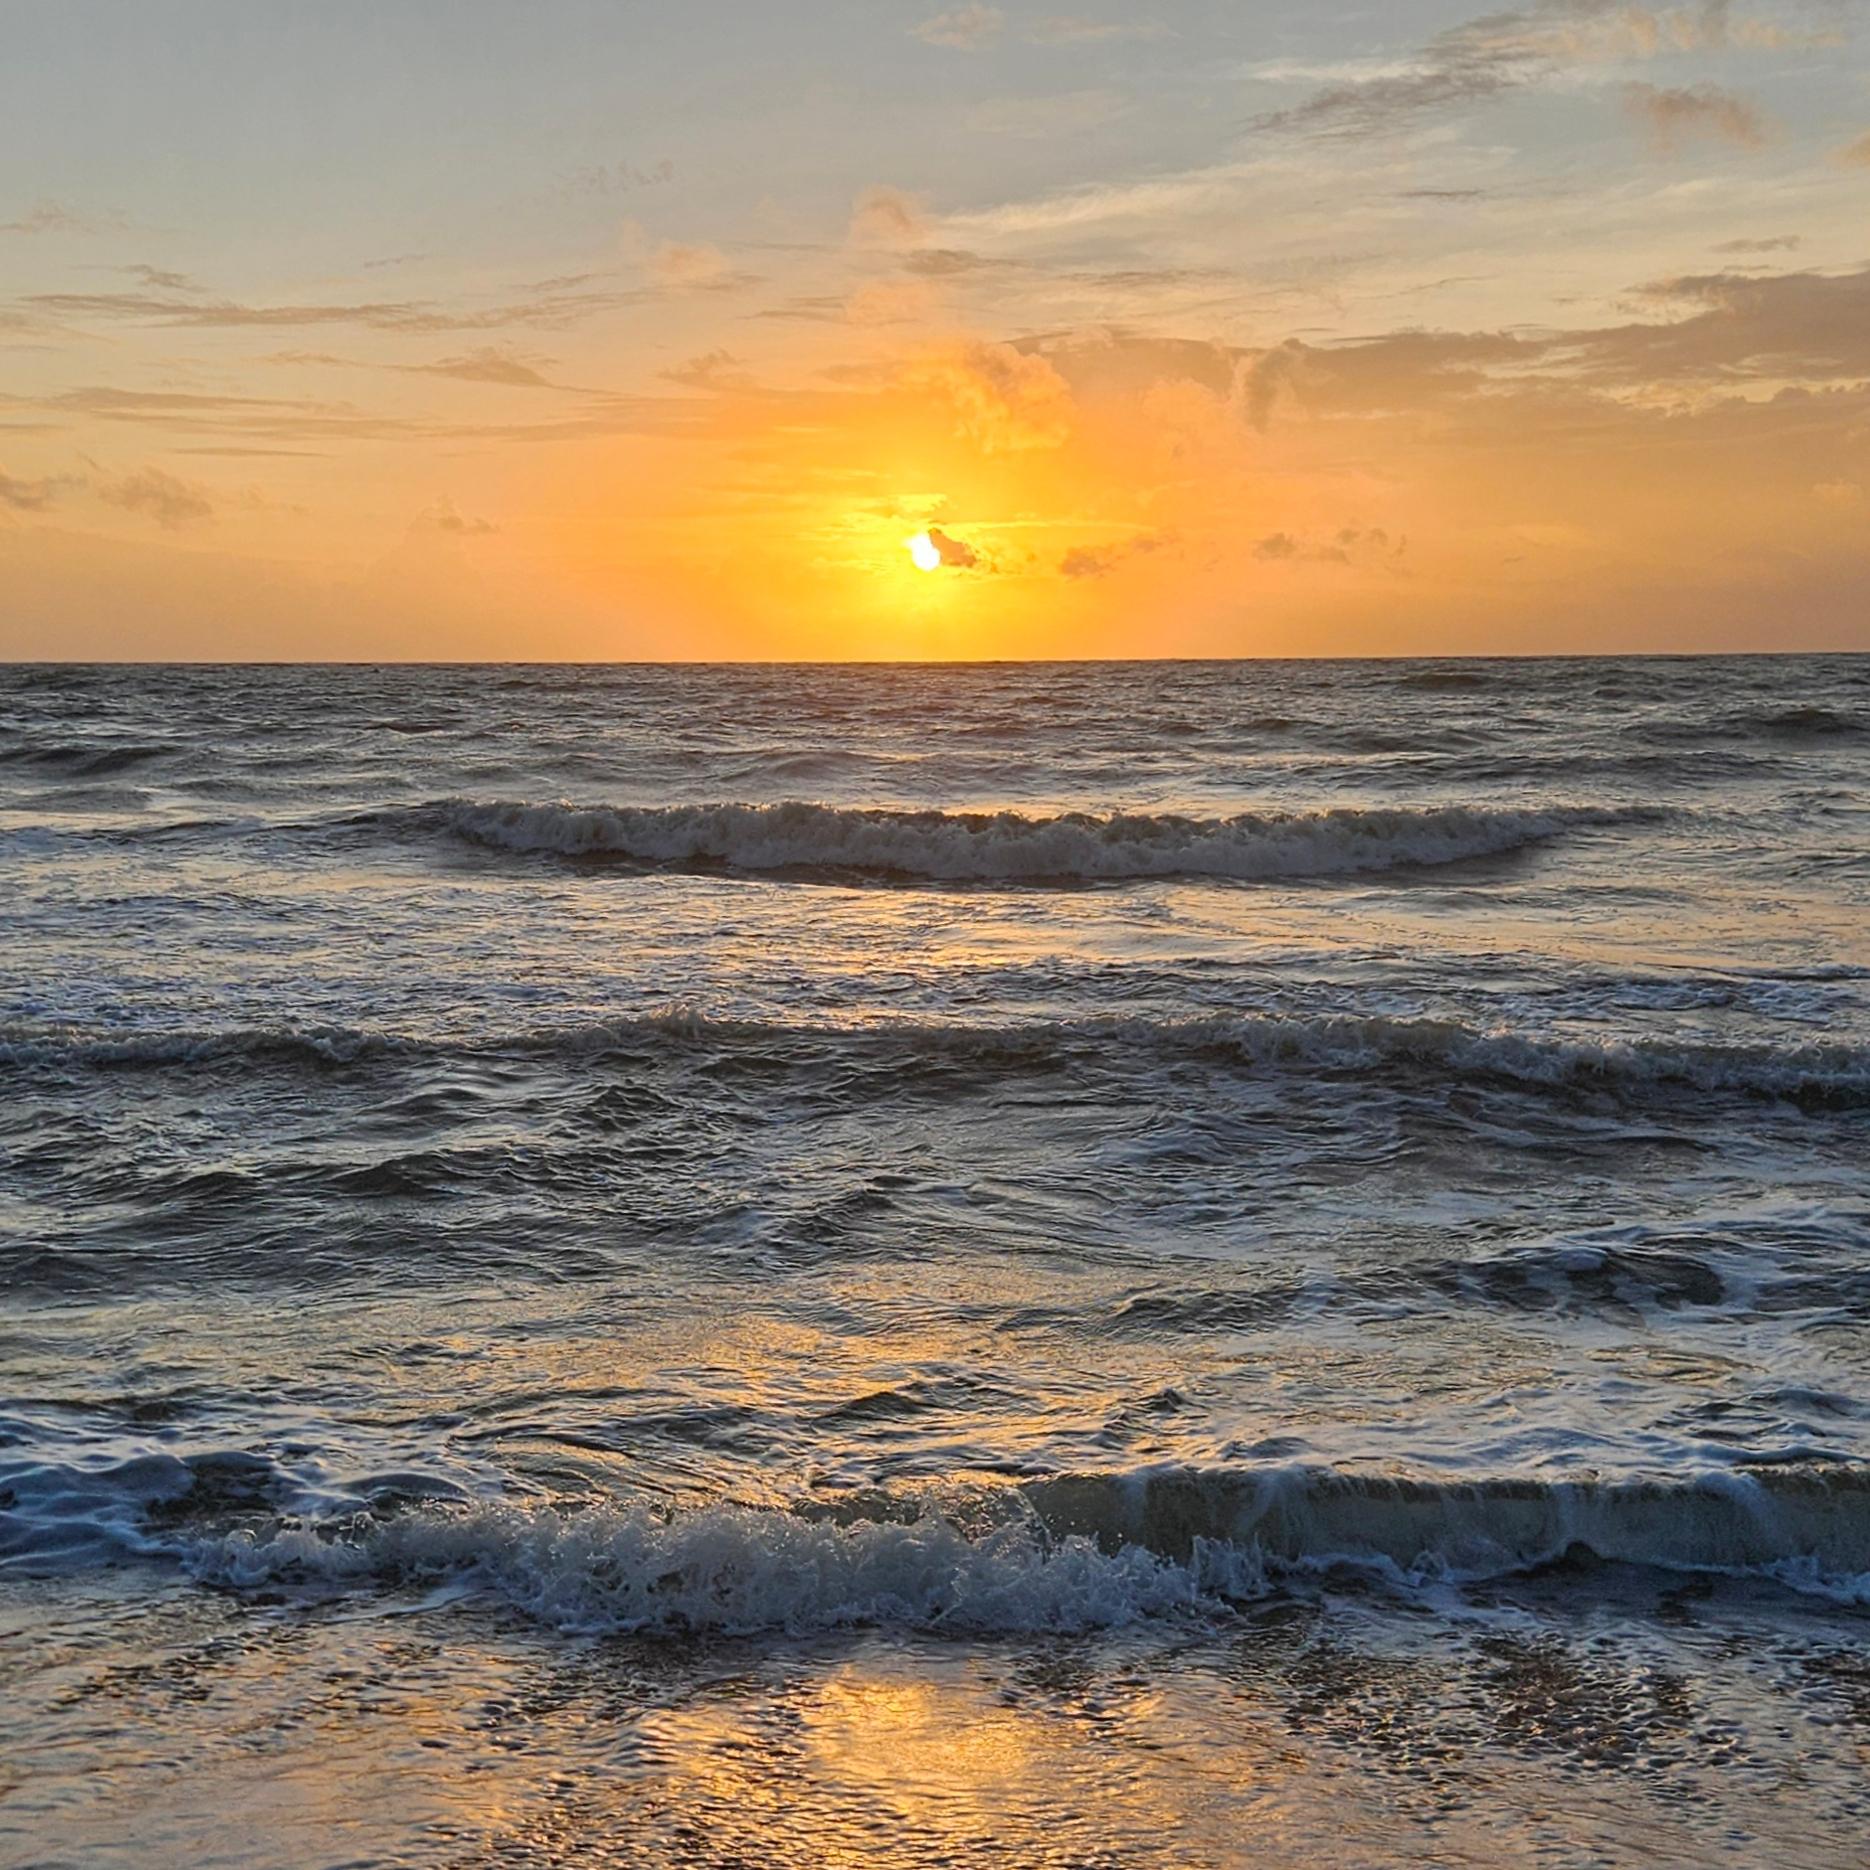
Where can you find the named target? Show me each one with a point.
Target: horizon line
(901, 662)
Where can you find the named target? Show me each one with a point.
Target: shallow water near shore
(1110, 1265)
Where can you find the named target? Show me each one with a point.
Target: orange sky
(1190, 334)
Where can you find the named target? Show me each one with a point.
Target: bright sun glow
(925, 552)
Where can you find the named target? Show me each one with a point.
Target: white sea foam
(1009, 847)
(734, 1569)
(1076, 1552)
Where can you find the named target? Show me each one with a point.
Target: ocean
(1022, 1265)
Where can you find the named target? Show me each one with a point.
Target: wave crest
(933, 846)
(1075, 1552)
(1820, 1072)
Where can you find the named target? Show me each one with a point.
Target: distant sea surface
(1122, 1265)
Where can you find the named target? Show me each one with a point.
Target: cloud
(891, 302)
(1263, 379)
(1099, 561)
(605, 179)
(27, 496)
(488, 365)
(888, 217)
(680, 267)
(1482, 58)
(1807, 326)
(1678, 115)
(1464, 65)
(250, 420)
(1349, 545)
(413, 315)
(1856, 155)
(964, 29)
(1772, 243)
(442, 516)
(956, 554)
(169, 501)
(48, 217)
(1074, 29)
(712, 370)
(1005, 400)
(817, 308)
(950, 262)
(1145, 279)
(1711, 337)
(159, 278)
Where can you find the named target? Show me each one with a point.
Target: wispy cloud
(254, 421)
(488, 365)
(166, 498)
(885, 216)
(49, 217)
(27, 496)
(1676, 116)
(1004, 400)
(1771, 243)
(712, 370)
(951, 263)
(962, 29)
(443, 516)
(607, 179)
(1151, 200)
(1099, 561)
(1349, 545)
(677, 266)
(1486, 57)
(156, 308)
(160, 278)
(1076, 29)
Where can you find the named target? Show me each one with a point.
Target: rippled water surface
(1122, 1265)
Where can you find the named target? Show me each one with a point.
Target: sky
(448, 329)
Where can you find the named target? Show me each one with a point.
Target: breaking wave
(1073, 1552)
(933, 846)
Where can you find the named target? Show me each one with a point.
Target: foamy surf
(948, 846)
(1076, 1552)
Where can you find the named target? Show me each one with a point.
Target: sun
(925, 552)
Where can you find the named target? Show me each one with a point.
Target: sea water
(1010, 1265)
